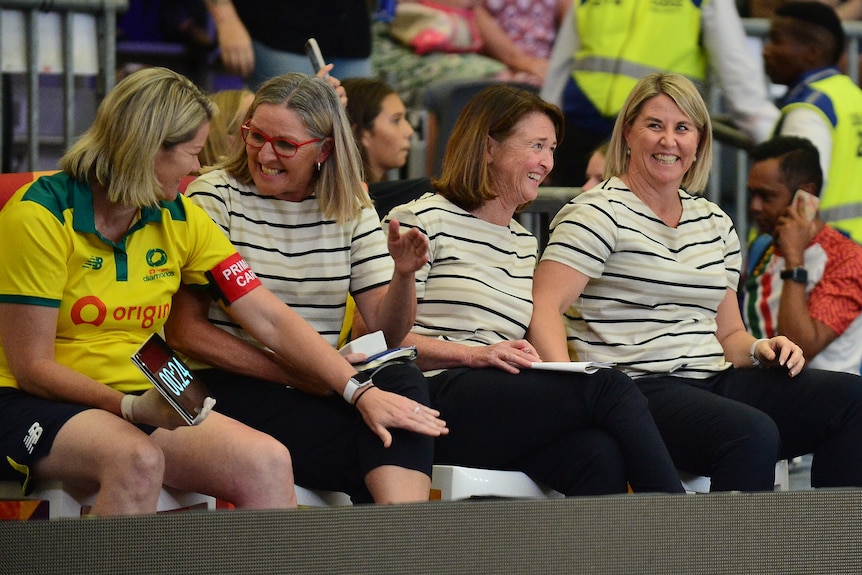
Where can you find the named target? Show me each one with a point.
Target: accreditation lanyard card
(175, 381)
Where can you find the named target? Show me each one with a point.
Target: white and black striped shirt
(476, 288)
(306, 260)
(650, 305)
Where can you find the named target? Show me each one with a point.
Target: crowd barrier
(67, 38)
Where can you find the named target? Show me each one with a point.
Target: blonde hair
(224, 128)
(338, 186)
(148, 111)
(685, 95)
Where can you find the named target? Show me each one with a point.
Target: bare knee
(138, 467)
(130, 478)
(267, 476)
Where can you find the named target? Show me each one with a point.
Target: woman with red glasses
(293, 203)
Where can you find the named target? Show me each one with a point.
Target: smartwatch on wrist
(354, 384)
(797, 274)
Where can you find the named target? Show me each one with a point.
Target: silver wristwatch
(354, 384)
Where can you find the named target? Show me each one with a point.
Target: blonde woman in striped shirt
(576, 433)
(646, 271)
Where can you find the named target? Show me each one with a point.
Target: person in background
(379, 121)
(292, 200)
(596, 166)
(604, 48)
(643, 273)
(186, 21)
(806, 283)
(520, 34)
(224, 128)
(94, 254)
(265, 38)
(384, 134)
(847, 10)
(576, 433)
(806, 41)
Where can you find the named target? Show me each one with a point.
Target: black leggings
(734, 426)
(331, 446)
(578, 434)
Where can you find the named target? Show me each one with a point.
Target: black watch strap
(797, 274)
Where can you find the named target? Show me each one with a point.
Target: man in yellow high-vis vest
(806, 40)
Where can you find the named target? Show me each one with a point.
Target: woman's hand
(334, 82)
(506, 355)
(408, 249)
(383, 410)
(779, 352)
(151, 408)
(354, 358)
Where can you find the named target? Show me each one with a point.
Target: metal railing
(105, 12)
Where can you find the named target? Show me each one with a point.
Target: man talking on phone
(804, 277)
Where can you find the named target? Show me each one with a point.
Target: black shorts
(28, 427)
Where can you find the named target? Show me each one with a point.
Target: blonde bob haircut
(685, 95)
(150, 110)
(466, 179)
(338, 187)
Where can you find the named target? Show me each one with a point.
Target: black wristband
(361, 393)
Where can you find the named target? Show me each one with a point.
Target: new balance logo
(32, 437)
(94, 263)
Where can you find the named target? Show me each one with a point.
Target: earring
(318, 166)
(628, 151)
(695, 158)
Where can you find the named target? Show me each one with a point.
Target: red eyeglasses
(282, 147)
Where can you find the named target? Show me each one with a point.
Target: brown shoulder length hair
(494, 112)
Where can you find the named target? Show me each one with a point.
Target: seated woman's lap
(30, 427)
(817, 412)
(707, 434)
(330, 445)
(499, 418)
(586, 461)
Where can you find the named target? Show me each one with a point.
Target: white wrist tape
(126, 407)
(208, 405)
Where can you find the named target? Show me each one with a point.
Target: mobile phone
(312, 50)
(809, 203)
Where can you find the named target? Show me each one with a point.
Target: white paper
(368, 344)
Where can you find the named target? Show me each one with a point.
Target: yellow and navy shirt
(110, 296)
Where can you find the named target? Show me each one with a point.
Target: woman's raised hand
(409, 249)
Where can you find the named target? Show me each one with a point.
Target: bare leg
(229, 460)
(98, 450)
(393, 484)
